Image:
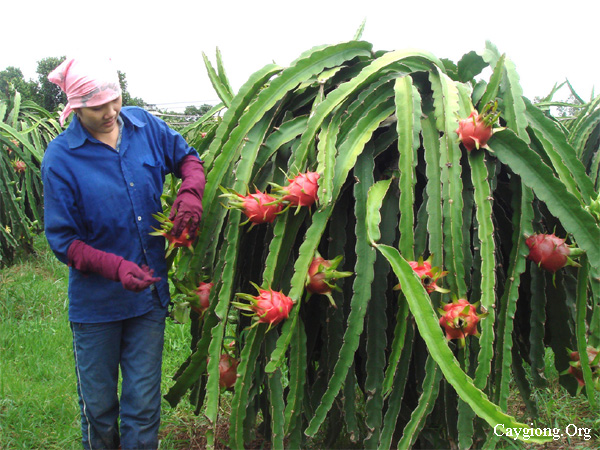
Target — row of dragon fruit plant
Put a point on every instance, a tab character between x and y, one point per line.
423	219
25	131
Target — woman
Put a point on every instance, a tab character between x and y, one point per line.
103	178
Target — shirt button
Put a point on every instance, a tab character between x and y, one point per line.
131	184
139	218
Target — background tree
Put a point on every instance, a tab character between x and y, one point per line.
128	100
12	79
197	110
49	95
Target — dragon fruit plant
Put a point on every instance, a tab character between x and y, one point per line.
27	129
378	157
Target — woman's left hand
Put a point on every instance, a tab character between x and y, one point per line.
187	209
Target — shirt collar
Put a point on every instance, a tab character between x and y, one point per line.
76	134
128	117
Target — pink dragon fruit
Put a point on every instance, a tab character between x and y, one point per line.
259	207
302	190
550	252
428	275
203	293
460	320
19	166
593	355
322	275
227	371
475	131
268	306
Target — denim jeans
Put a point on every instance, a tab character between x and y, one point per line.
135	345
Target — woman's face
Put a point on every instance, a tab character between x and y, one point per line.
101	119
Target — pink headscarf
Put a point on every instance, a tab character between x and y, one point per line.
86	83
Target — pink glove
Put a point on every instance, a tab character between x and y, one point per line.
136	278
113	267
188	204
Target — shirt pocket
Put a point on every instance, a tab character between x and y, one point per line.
154	174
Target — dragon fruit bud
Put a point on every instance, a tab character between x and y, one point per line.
594	208
549	252
460	320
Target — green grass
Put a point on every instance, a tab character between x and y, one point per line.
38	406
38	398
561	411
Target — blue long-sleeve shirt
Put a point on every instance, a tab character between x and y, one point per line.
106	198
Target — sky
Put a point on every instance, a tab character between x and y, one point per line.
159	45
